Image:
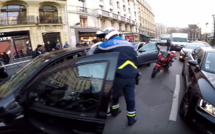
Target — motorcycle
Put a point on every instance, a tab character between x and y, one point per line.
164	61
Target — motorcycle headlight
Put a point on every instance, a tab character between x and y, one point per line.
207	107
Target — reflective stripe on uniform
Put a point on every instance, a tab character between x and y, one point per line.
115	106
128	62
131	115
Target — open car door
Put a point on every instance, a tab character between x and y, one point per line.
73	96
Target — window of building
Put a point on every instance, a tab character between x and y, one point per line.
102	23
112	23
111	2
124	8
111	10
125	15
118	13
129	10
126	27
83	22
101	7
13	14
48	14
117	4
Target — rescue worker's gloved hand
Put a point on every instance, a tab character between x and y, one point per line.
138	77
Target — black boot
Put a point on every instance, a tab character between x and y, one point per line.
131	119
115	110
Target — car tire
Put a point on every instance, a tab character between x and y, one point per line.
155	71
184	109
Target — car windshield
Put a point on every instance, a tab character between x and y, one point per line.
209	65
135	45
179	39
163	38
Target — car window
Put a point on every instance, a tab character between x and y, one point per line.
75	89
209	64
149	47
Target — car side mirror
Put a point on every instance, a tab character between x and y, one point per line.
142	51
193	63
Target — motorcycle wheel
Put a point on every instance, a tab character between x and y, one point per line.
155	71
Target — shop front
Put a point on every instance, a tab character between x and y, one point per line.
85	34
131	37
16	43
143	36
50	40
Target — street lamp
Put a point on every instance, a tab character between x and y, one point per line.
206	38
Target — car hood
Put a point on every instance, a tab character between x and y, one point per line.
210	77
187	50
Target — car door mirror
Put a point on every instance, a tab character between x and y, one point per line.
193	63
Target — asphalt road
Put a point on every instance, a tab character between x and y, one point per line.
157	103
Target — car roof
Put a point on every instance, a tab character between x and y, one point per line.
208	49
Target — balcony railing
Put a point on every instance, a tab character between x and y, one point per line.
55	20
133	22
18	21
82	9
115	16
122	18
105	13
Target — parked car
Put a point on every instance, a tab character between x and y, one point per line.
59	92
147	53
198	102
189	47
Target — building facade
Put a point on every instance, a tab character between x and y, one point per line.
86	17
146	22
160	29
194	32
32	22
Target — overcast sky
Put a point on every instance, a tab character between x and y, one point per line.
180	13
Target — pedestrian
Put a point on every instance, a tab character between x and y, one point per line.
85	44
95	43
168	44
29	51
66	45
78	44
5	58
38	51
58	46
126	73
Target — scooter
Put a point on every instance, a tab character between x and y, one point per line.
164	61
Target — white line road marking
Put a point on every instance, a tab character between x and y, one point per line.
174	110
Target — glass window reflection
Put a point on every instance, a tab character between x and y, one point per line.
13	14
48	14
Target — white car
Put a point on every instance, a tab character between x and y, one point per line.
154	40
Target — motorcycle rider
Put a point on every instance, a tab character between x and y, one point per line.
125	77
168	44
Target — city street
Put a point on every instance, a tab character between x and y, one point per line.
157	113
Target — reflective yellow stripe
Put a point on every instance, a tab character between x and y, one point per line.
131	115
127	63
115	107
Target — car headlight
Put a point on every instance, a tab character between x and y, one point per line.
207	107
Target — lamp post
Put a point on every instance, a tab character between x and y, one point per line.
206	38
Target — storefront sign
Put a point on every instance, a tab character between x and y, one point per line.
5	38
129	38
13	10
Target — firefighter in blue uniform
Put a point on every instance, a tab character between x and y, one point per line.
125	74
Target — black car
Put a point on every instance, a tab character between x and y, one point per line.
62	92
147	53
198	103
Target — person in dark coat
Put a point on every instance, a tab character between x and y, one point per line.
5	58
29	51
168	44
38	51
